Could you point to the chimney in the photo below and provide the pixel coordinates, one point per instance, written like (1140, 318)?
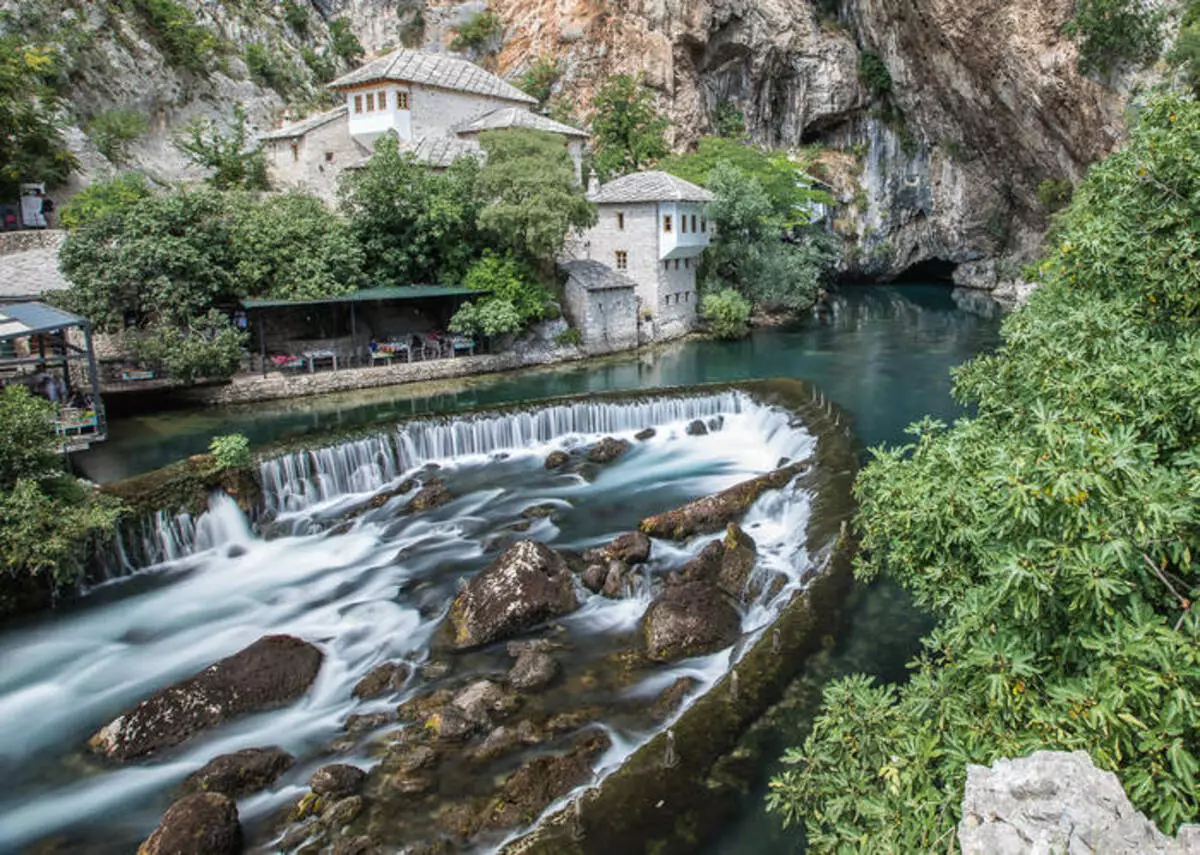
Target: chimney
(593, 183)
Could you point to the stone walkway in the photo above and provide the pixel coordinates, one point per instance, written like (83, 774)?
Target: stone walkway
(29, 274)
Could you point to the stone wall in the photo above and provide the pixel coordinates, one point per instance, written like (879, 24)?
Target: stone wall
(435, 112)
(638, 239)
(1055, 801)
(313, 163)
(29, 239)
(605, 317)
(678, 300)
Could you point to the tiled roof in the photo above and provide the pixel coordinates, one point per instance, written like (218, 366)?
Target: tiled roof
(650, 187)
(434, 151)
(433, 69)
(594, 276)
(302, 127)
(517, 117)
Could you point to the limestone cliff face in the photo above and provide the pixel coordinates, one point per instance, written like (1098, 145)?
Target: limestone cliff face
(989, 99)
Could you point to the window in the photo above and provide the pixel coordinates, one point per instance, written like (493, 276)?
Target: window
(667, 264)
(677, 264)
(295, 152)
(693, 222)
(703, 224)
(329, 157)
(401, 100)
(666, 223)
(683, 225)
(621, 220)
(358, 103)
(370, 102)
(622, 259)
(687, 264)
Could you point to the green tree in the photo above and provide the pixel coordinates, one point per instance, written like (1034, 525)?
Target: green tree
(206, 347)
(292, 247)
(627, 132)
(873, 74)
(31, 142)
(749, 252)
(165, 259)
(1185, 55)
(513, 298)
(1052, 534)
(343, 41)
(727, 313)
(481, 33)
(414, 225)
(233, 163)
(729, 121)
(538, 82)
(106, 197)
(1112, 32)
(113, 130)
(531, 198)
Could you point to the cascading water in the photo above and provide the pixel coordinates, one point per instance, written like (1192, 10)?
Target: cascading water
(371, 592)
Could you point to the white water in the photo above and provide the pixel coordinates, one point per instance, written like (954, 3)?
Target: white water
(68, 674)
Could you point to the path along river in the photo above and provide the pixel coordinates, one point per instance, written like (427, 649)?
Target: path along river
(882, 353)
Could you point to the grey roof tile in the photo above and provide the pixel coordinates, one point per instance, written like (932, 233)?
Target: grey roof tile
(302, 127)
(517, 117)
(595, 276)
(649, 187)
(433, 69)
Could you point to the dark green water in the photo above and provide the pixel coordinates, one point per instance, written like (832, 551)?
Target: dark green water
(883, 354)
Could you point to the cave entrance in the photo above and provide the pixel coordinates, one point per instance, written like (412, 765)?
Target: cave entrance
(931, 271)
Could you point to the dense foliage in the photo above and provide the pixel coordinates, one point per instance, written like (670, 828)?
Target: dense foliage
(1185, 55)
(749, 252)
(1053, 534)
(187, 45)
(113, 130)
(31, 142)
(726, 312)
(514, 298)
(204, 347)
(227, 153)
(530, 196)
(104, 197)
(628, 134)
(538, 82)
(231, 451)
(343, 42)
(873, 73)
(414, 225)
(480, 33)
(46, 517)
(1112, 32)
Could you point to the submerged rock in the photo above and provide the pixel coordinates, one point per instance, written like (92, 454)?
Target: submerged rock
(706, 566)
(434, 494)
(696, 428)
(483, 701)
(557, 459)
(337, 781)
(342, 812)
(537, 512)
(542, 780)
(271, 672)
(632, 548)
(737, 563)
(647, 433)
(608, 449)
(689, 620)
(382, 679)
(593, 577)
(713, 513)
(672, 696)
(199, 824)
(527, 584)
(240, 773)
(533, 670)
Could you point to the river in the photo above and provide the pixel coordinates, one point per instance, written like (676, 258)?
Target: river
(882, 353)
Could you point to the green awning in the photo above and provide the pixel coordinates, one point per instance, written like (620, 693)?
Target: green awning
(407, 292)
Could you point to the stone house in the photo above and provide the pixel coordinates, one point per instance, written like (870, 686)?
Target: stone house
(436, 106)
(603, 305)
(651, 227)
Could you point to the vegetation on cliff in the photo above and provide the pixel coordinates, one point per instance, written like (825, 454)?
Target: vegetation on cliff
(1053, 535)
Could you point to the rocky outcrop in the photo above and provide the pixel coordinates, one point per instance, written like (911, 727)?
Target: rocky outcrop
(199, 824)
(1055, 801)
(539, 782)
(527, 584)
(433, 494)
(337, 781)
(273, 671)
(688, 620)
(607, 450)
(713, 513)
(382, 679)
(240, 773)
(738, 554)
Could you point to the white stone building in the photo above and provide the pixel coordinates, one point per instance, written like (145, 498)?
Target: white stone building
(603, 305)
(436, 105)
(652, 227)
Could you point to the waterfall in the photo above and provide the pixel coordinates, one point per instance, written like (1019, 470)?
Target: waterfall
(300, 480)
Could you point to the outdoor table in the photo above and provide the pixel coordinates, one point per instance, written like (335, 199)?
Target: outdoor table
(324, 353)
(462, 342)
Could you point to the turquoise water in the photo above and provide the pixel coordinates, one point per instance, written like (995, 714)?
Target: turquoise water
(883, 353)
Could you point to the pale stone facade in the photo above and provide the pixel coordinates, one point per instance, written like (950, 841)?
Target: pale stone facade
(435, 105)
(652, 227)
(603, 306)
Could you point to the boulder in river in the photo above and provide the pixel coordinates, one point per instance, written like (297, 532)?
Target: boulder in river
(689, 620)
(737, 562)
(532, 788)
(337, 781)
(696, 428)
(527, 584)
(533, 670)
(632, 547)
(713, 513)
(382, 679)
(199, 824)
(706, 566)
(645, 434)
(240, 773)
(557, 459)
(432, 495)
(271, 672)
(608, 449)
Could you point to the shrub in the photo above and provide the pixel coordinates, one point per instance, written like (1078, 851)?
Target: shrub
(104, 198)
(233, 163)
(343, 41)
(319, 63)
(1054, 195)
(269, 68)
(727, 313)
(231, 451)
(208, 348)
(113, 130)
(296, 16)
(412, 25)
(538, 82)
(172, 26)
(514, 297)
(729, 121)
(570, 337)
(481, 32)
(1185, 56)
(1112, 32)
(873, 73)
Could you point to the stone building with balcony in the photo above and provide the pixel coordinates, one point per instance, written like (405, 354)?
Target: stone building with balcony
(651, 227)
(436, 106)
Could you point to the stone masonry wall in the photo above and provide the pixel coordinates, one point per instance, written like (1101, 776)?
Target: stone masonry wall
(29, 239)
(606, 318)
(308, 169)
(639, 239)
